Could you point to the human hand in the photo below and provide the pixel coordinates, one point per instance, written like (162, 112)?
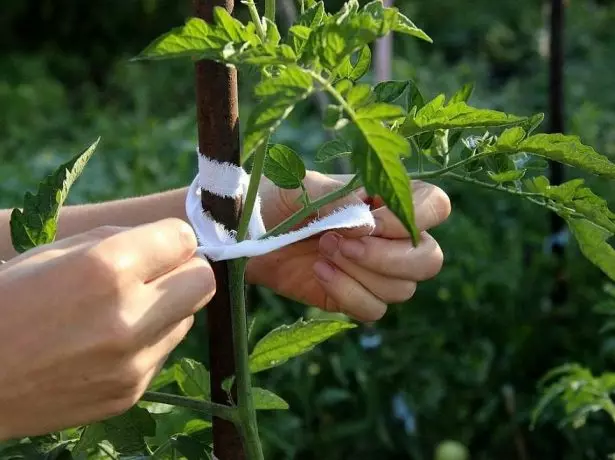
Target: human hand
(351, 271)
(88, 321)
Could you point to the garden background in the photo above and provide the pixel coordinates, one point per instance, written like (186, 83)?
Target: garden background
(462, 360)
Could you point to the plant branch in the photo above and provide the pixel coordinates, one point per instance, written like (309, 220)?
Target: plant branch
(245, 408)
(312, 207)
(255, 178)
(199, 405)
(256, 18)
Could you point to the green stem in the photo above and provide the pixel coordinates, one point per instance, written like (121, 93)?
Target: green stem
(270, 10)
(255, 179)
(312, 207)
(248, 424)
(256, 19)
(199, 405)
(302, 6)
(471, 180)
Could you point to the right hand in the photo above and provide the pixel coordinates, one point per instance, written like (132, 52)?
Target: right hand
(88, 321)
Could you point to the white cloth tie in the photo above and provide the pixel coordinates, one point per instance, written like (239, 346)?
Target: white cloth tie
(229, 181)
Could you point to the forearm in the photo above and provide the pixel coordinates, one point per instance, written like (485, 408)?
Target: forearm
(126, 213)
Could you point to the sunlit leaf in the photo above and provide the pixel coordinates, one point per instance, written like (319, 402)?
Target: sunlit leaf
(288, 341)
(380, 111)
(284, 167)
(266, 400)
(193, 378)
(331, 150)
(363, 63)
(36, 223)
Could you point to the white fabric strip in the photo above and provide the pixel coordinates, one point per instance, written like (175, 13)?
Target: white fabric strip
(218, 243)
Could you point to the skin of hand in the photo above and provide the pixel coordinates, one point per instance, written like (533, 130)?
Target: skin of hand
(88, 321)
(351, 271)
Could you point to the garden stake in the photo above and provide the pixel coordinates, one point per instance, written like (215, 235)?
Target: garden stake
(218, 131)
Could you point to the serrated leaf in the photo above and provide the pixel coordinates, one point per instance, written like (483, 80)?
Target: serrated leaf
(284, 167)
(266, 400)
(436, 115)
(405, 26)
(390, 91)
(273, 34)
(193, 378)
(593, 243)
(331, 150)
(126, 432)
(165, 377)
(463, 94)
(380, 111)
(289, 341)
(414, 98)
(278, 98)
(568, 150)
(382, 171)
(363, 63)
(359, 95)
(36, 223)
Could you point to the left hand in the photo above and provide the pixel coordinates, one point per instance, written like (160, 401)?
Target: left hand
(350, 271)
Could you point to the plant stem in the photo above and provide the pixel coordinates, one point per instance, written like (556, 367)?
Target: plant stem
(270, 10)
(302, 6)
(245, 409)
(471, 180)
(199, 405)
(256, 19)
(255, 178)
(313, 206)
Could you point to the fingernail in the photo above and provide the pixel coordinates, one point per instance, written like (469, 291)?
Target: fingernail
(329, 244)
(324, 271)
(352, 249)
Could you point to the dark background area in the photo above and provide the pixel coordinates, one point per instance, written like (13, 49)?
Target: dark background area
(461, 361)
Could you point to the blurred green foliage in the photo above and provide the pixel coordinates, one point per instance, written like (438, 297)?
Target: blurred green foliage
(462, 360)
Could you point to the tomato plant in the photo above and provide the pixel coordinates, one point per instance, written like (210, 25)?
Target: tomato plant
(391, 135)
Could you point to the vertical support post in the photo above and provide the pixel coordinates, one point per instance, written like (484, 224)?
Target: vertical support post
(556, 125)
(218, 132)
(384, 53)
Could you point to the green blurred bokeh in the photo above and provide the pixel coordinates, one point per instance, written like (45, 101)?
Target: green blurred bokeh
(461, 360)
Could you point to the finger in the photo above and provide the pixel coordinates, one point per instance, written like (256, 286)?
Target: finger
(151, 250)
(431, 207)
(158, 352)
(64, 246)
(346, 295)
(388, 258)
(179, 294)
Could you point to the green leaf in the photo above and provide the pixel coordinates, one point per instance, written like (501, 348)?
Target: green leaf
(273, 35)
(193, 378)
(331, 150)
(506, 176)
(414, 98)
(278, 98)
(463, 94)
(568, 150)
(190, 447)
(289, 341)
(165, 377)
(382, 171)
(407, 27)
(435, 115)
(284, 167)
(359, 95)
(266, 400)
(380, 111)
(593, 243)
(363, 62)
(390, 91)
(126, 432)
(36, 223)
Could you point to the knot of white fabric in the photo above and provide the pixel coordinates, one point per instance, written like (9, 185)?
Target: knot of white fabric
(218, 243)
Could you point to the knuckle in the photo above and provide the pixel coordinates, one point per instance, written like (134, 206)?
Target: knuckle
(128, 380)
(119, 338)
(102, 267)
